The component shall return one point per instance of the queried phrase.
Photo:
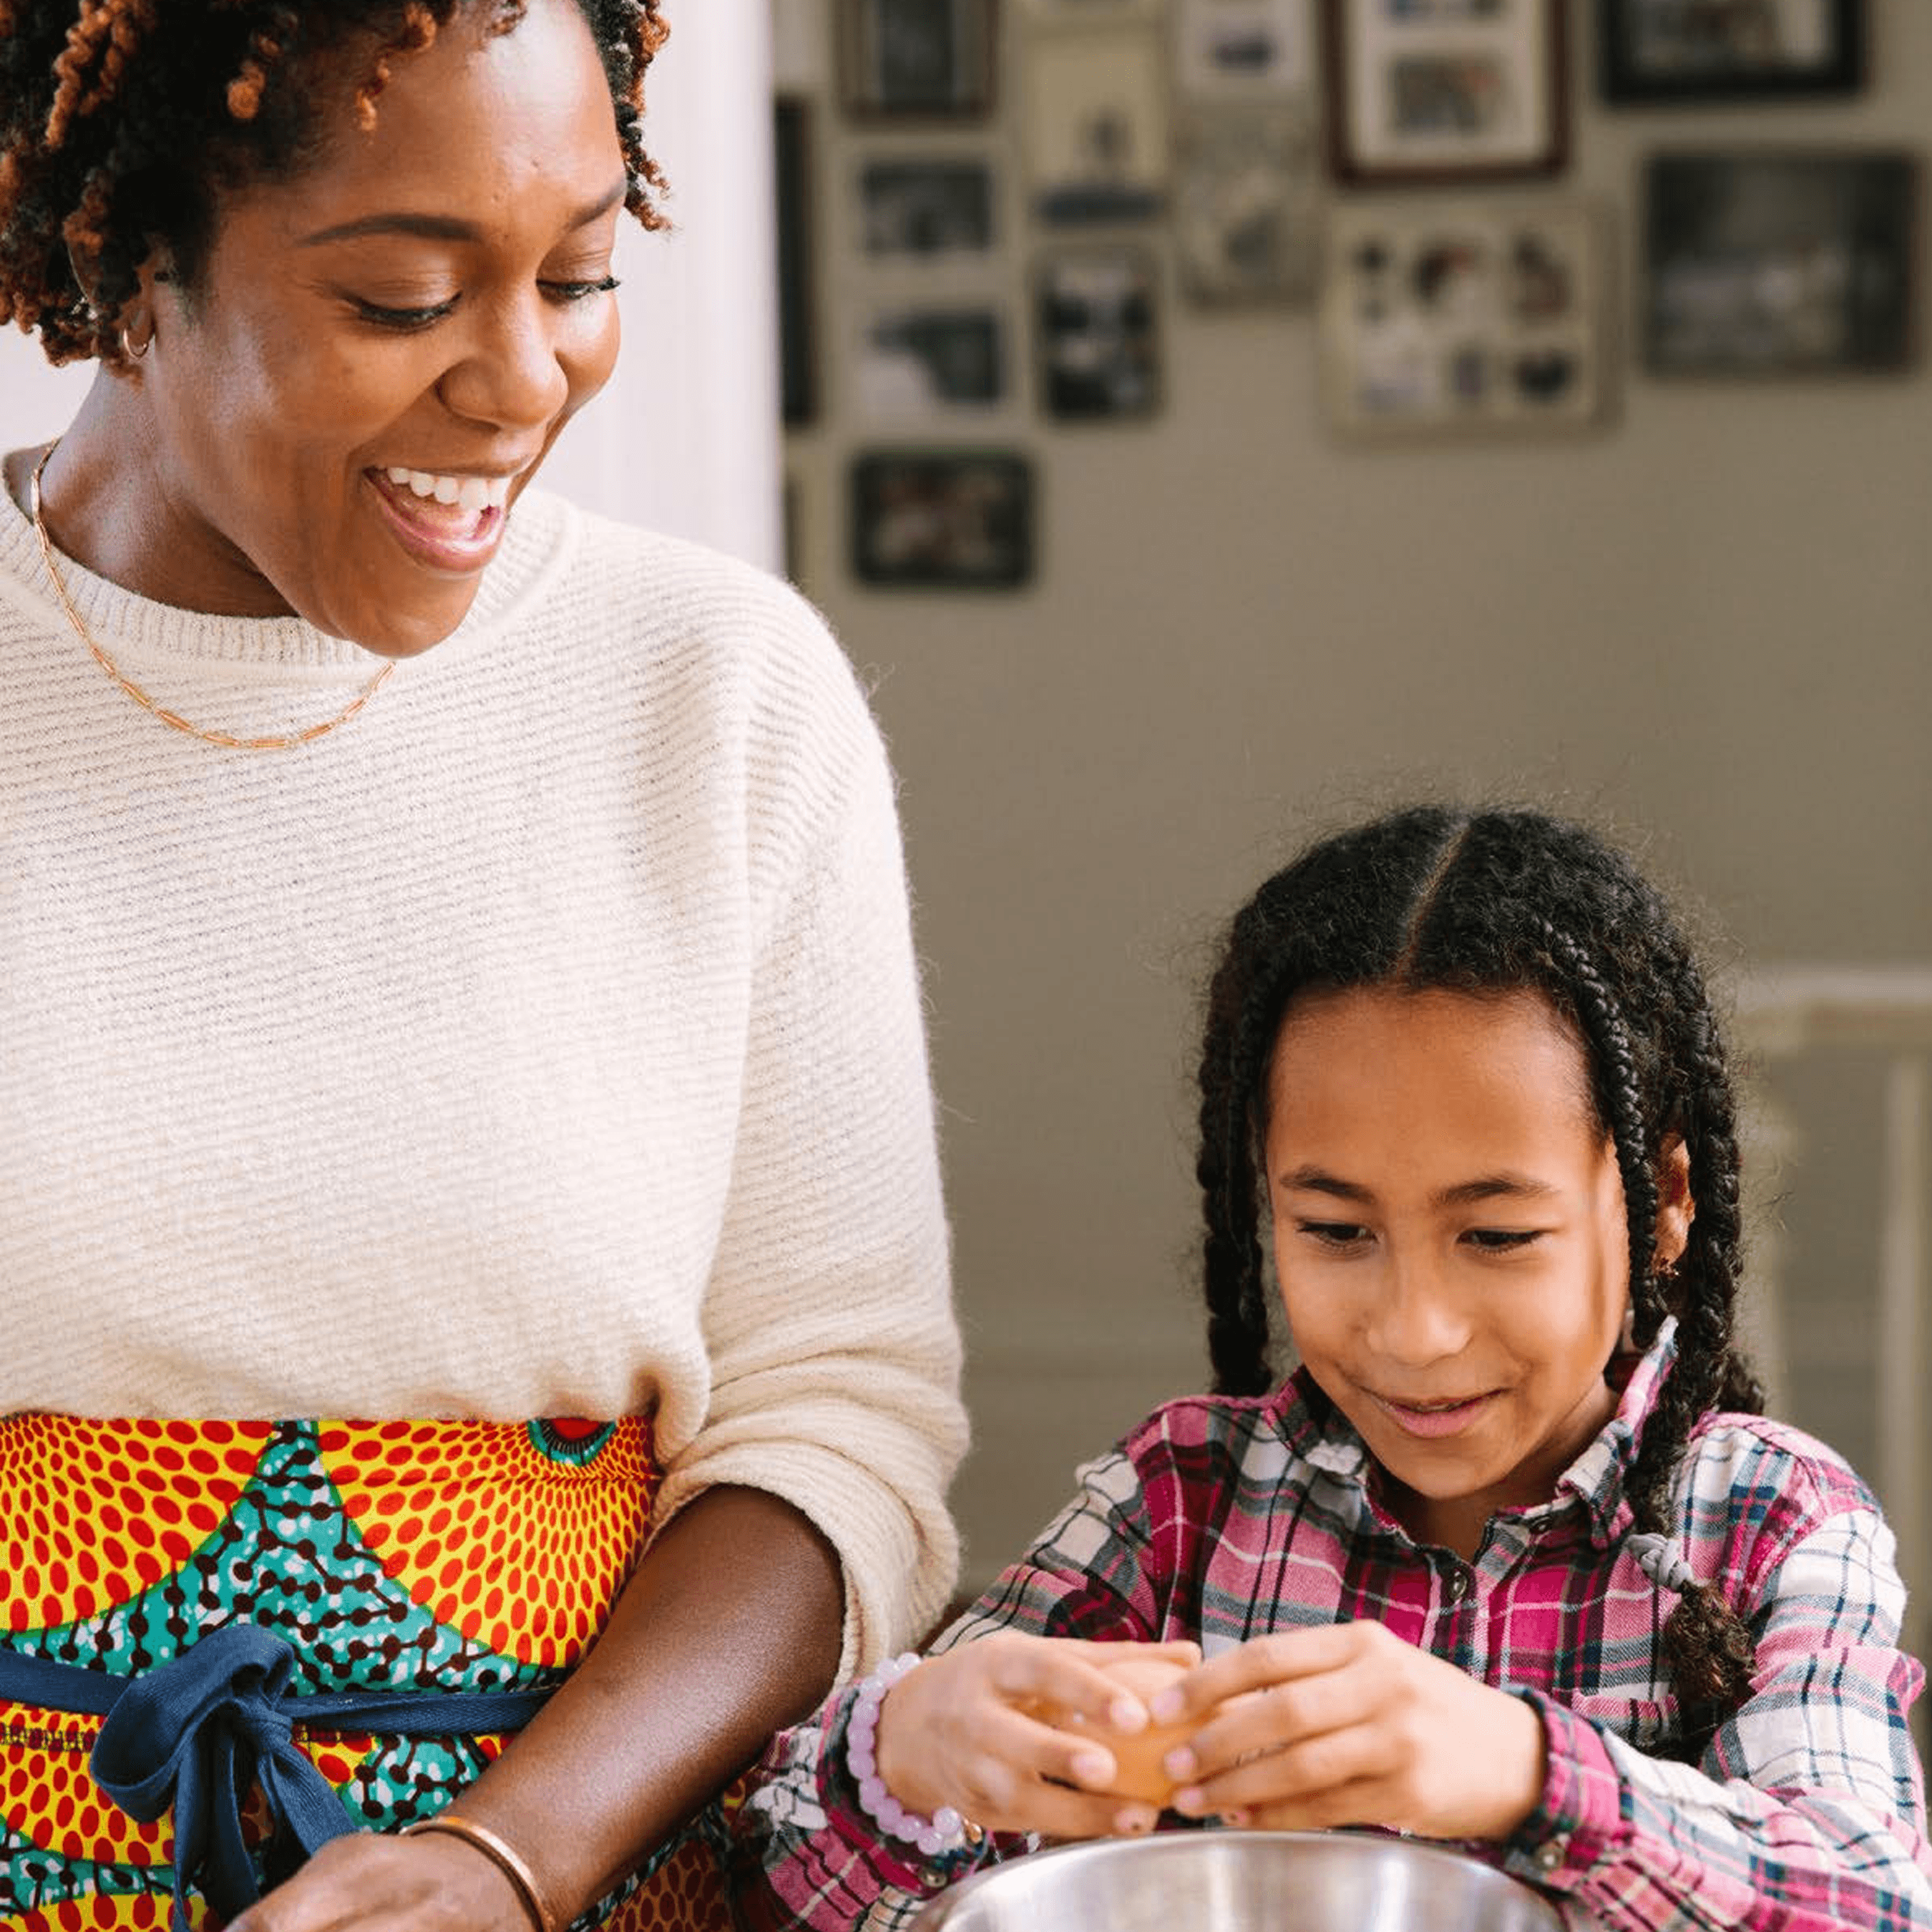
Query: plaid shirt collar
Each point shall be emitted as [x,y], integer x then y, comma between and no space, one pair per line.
[1593,1483]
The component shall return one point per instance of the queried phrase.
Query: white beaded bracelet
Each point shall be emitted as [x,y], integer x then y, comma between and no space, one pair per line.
[946,1830]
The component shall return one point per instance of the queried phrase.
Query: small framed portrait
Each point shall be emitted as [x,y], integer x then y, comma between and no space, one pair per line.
[1482,319]
[1763,262]
[922,362]
[1424,91]
[1668,50]
[1099,352]
[960,520]
[1227,50]
[1247,223]
[926,209]
[798,356]
[912,58]
[1096,125]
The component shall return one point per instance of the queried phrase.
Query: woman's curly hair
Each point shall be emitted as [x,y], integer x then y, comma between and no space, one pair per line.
[1497,901]
[121,121]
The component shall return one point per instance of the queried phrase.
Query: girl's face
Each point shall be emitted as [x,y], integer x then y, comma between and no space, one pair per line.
[427,297]
[1449,1236]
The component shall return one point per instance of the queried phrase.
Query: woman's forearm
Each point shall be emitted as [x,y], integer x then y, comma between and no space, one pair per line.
[729,1629]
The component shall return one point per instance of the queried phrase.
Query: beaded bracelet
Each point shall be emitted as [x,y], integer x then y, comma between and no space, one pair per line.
[946,1830]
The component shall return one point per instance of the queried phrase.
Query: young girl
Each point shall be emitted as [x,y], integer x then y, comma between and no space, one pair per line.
[1512,1558]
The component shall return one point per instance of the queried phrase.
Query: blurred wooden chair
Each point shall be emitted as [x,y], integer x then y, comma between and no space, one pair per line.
[1786,1014]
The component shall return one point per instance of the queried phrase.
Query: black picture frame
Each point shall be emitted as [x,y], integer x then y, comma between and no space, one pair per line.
[798,334]
[1096,311]
[942,519]
[1660,52]
[1413,98]
[927,209]
[931,358]
[1780,262]
[902,60]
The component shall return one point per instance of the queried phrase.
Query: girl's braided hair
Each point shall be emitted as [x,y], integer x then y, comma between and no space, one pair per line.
[1430,897]
[121,121]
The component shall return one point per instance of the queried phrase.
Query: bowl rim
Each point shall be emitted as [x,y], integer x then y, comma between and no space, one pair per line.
[943,1904]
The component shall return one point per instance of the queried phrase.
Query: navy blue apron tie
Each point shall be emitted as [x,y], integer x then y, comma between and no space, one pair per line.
[196,1732]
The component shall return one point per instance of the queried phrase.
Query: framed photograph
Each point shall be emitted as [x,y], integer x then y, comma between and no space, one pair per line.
[1669,50]
[917,58]
[798,357]
[1479,319]
[1759,263]
[1099,354]
[1240,50]
[917,363]
[1423,91]
[1095,127]
[1247,222]
[926,209]
[942,519]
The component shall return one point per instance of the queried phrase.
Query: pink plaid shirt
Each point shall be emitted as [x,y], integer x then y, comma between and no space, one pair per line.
[1220,1519]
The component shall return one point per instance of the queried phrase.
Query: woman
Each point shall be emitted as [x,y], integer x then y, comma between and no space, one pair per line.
[454,964]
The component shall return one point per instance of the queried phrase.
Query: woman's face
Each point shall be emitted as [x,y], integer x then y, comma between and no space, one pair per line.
[1450,1239]
[428,300]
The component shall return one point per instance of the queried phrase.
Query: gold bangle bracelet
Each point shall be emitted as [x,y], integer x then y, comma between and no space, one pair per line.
[505,1858]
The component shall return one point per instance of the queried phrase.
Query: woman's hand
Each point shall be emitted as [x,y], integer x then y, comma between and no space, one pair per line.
[992,1729]
[1347,1724]
[432,1882]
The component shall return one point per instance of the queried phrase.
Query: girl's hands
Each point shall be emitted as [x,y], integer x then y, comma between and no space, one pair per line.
[1347,1724]
[993,1728]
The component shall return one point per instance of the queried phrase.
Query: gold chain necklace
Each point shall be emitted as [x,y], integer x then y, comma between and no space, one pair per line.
[173,719]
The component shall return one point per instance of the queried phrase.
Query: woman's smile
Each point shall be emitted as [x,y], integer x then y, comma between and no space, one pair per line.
[452,524]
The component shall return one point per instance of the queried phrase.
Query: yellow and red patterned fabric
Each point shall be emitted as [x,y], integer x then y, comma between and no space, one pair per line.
[418,1556]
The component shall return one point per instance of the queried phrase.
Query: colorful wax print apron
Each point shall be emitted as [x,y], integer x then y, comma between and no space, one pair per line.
[456,1570]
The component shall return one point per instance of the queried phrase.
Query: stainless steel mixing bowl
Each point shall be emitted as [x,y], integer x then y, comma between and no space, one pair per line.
[1222,1881]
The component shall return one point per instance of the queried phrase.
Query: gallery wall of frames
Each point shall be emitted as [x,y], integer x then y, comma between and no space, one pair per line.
[989,210]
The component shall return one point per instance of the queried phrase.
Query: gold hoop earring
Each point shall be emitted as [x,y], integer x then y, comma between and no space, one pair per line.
[132,350]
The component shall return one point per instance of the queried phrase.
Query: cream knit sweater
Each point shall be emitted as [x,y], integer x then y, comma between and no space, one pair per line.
[544,1042]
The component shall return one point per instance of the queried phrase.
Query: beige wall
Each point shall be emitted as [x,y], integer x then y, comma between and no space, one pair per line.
[1708,621]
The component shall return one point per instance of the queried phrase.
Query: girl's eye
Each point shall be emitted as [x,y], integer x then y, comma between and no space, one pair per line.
[384,316]
[1334,1234]
[1501,1240]
[577,292]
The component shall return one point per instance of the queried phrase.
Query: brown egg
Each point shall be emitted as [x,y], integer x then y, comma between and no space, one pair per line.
[1137,1754]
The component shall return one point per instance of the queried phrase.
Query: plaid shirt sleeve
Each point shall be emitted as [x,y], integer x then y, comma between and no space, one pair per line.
[1807,1811]
[805,1856]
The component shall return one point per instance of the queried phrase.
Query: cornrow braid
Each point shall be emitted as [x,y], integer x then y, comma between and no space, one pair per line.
[1620,1105]
[123,121]
[1710,1651]
[1498,901]
[1232,1263]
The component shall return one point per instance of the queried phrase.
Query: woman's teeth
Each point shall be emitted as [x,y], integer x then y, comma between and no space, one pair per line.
[468,492]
